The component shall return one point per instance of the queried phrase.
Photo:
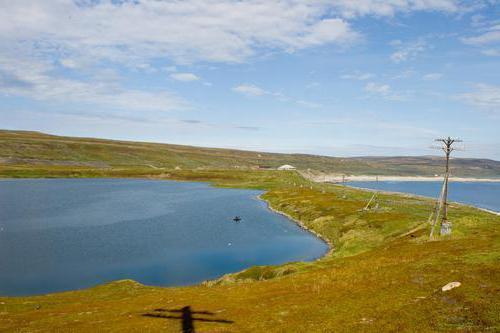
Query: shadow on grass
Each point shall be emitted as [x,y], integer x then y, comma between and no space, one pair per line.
[185,315]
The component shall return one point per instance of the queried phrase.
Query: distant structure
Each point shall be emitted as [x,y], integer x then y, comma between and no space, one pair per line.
[264,167]
[442,203]
[287,167]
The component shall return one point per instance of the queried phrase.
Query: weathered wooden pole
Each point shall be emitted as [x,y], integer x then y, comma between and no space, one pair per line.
[445,224]
[447,144]
[439,204]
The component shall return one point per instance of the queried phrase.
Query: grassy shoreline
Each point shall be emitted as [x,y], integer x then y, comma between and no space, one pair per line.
[375,279]
[301,225]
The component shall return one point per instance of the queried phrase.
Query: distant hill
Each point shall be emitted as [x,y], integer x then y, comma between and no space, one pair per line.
[34,148]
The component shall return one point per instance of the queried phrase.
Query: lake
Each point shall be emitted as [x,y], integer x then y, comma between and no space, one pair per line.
[481,194]
[65,234]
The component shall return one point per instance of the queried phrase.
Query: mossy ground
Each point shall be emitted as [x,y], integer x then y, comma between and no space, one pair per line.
[383,275]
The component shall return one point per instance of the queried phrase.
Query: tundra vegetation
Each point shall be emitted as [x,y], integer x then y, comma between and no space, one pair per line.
[383,273]
[24,148]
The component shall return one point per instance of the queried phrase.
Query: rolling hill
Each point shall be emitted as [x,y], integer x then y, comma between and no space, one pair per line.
[35,148]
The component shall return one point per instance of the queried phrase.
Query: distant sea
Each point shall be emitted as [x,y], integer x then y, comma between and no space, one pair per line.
[480,194]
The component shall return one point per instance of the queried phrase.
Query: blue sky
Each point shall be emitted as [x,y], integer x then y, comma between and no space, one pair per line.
[338,77]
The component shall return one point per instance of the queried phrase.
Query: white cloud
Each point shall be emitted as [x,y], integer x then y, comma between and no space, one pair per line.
[170,69]
[404,74]
[148,68]
[486,38]
[69,63]
[484,23]
[395,42]
[21,77]
[86,35]
[192,30]
[250,90]
[313,85]
[385,91]
[184,77]
[185,31]
[350,9]
[382,89]
[432,76]
[407,51]
[307,104]
[357,76]
[491,52]
[485,96]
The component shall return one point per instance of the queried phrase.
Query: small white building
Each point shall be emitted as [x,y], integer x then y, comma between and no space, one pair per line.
[287,167]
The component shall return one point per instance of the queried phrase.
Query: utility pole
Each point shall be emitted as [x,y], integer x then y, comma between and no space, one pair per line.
[447,147]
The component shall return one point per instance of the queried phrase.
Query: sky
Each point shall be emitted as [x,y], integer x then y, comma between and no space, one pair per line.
[337,77]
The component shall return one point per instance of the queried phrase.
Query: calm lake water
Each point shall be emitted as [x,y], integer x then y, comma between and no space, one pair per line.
[480,194]
[65,234]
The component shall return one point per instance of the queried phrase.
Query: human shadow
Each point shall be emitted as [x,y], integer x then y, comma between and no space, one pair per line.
[186,316]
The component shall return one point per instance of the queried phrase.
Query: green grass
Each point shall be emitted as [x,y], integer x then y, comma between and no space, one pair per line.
[383,275]
[38,149]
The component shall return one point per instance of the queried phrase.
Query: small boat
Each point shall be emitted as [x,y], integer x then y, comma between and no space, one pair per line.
[237,219]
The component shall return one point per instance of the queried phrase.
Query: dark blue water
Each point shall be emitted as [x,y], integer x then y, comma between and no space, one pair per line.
[64,234]
[480,194]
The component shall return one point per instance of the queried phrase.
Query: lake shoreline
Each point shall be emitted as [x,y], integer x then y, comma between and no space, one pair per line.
[303,226]
[412,195]
[277,242]
[335,178]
